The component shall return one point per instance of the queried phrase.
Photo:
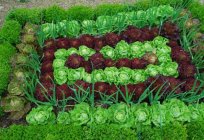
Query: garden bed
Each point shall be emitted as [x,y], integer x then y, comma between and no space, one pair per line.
[136,69]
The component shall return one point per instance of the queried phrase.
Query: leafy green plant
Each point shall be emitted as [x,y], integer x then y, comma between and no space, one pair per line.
[10,31]
[55,14]
[41,115]
[110,9]
[63,118]
[81,114]
[6,51]
[24,15]
[80,13]
[195,130]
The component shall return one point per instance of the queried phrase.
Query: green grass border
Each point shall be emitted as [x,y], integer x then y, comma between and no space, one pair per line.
[189,131]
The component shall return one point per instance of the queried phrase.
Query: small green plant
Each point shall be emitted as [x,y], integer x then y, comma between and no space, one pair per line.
[10,32]
[55,14]
[80,13]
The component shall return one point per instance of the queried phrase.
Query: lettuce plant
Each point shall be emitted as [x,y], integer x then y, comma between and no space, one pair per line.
[108,52]
[89,27]
[41,115]
[98,75]
[112,73]
[73,28]
[178,110]
[100,116]
[141,113]
[86,52]
[75,74]
[124,75]
[58,63]
[122,49]
[160,115]
[121,114]
[63,118]
[63,53]
[60,75]
[80,115]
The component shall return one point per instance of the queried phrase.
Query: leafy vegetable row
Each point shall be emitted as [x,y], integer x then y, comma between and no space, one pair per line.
[123,50]
[170,111]
[173,131]
[166,67]
[114,75]
[105,24]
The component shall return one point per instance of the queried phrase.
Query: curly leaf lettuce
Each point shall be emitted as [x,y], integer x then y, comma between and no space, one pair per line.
[178,110]
[120,114]
[141,113]
[80,115]
[41,115]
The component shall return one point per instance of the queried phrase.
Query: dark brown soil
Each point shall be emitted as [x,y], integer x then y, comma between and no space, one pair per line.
[4,122]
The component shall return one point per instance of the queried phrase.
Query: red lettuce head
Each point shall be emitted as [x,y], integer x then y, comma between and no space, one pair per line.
[110,63]
[62,43]
[74,42]
[87,40]
[124,62]
[43,90]
[112,39]
[138,63]
[46,67]
[87,66]
[186,70]
[97,61]
[99,43]
[74,61]
[63,92]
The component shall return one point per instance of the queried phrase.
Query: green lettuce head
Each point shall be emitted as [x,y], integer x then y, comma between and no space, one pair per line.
[112,74]
[98,75]
[58,63]
[41,115]
[148,47]
[195,113]
[86,52]
[80,115]
[152,70]
[75,74]
[141,113]
[124,75]
[104,24]
[139,76]
[89,27]
[108,52]
[163,50]
[164,58]
[160,41]
[61,54]
[87,77]
[160,115]
[122,49]
[63,118]
[120,114]
[120,21]
[164,11]
[169,69]
[178,110]
[60,75]
[100,116]
[201,109]
[137,50]
[71,51]
[73,28]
